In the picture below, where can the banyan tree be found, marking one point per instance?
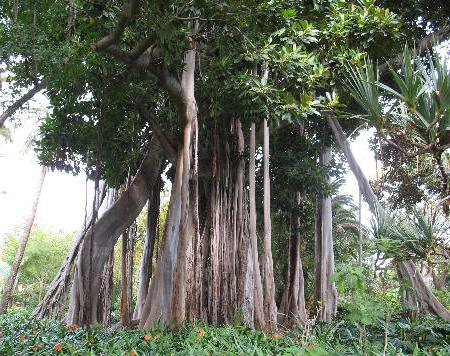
(233, 105)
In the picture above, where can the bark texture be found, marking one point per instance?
(325, 292)
(260, 322)
(146, 268)
(107, 230)
(293, 303)
(269, 283)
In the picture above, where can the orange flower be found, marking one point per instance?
(296, 341)
(132, 353)
(276, 336)
(311, 345)
(156, 337)
(200, 332)
(147, 337)
(22, 338)
(72, 327)
(58, 347)
(36, 347)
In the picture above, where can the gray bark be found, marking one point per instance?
(107, 230)
(269, 283)
(258, 296)
(328, 292)
(146, 267)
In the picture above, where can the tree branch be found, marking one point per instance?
(128, 12)
(166, 143)
(18, 103)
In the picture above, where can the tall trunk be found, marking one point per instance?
(269, 283)
(325, 290)
(425, 297)
(245, 275)
(126, 287)
(157, 307)
(301, 303)
(195, 264)
(165, 302)
(106, 291)
(360, 252)
(7, 290)
(146, 268)
(258, 296)
(185, 239)
(294, 298)
(107, 230)
(184, 242)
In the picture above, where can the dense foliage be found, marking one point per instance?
(28, 336)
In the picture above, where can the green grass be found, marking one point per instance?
(22, 335)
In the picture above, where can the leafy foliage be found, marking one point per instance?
(43, 249)
(28, 336)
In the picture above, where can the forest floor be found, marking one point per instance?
(22, 335)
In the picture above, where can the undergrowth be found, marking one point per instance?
(22, 335)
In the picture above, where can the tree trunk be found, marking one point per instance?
(269, 283)
(106, 291)
(424, 296)
(157, 307)
(317, 257)
(126, 286)
(7, 290)
(146, 268)
(51, 303)
(184, 242)
(246, 281)
(107, 230)
(165, 302)
(325, 291)
(417, 297)
(294, 295)
(258, 296)
(439, 279)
